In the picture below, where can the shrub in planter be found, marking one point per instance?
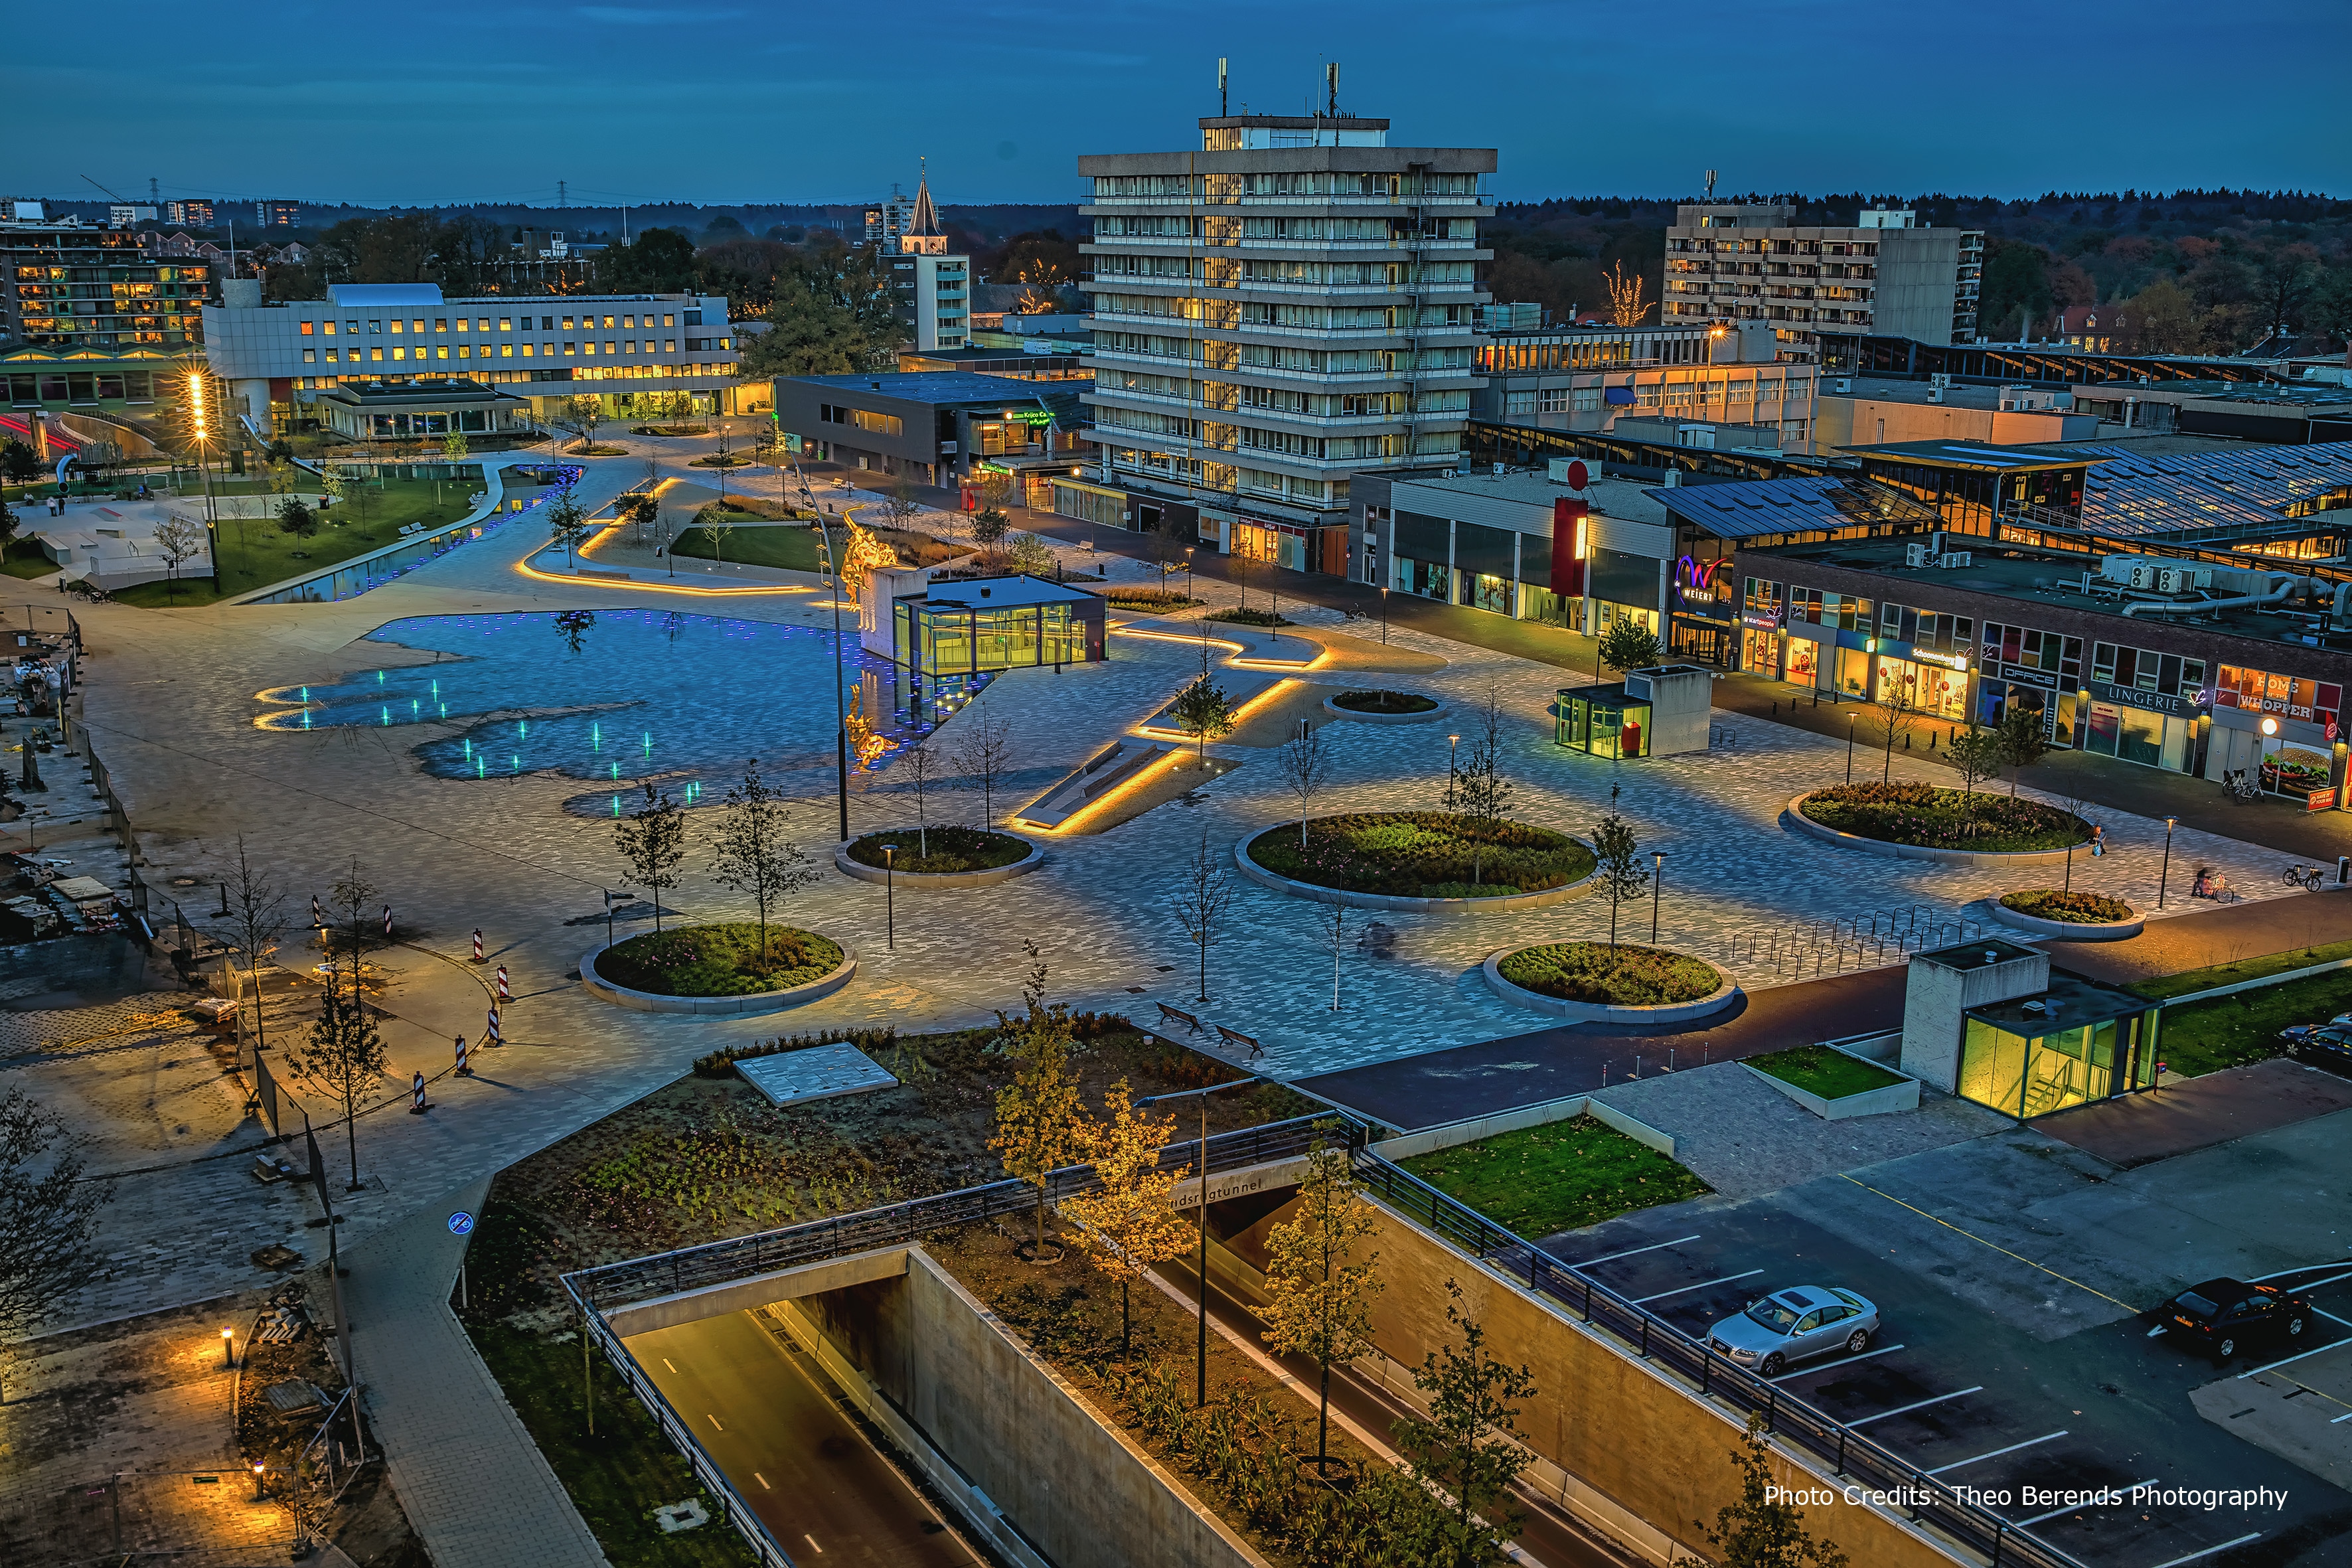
(1423, 855)
(1944, 818)
(1624, 976)
(1384, 702)
(951, 849)
(719, 960)
(2075, 909)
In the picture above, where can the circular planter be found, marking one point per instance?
(1704, 1006)
(719, 1007)
(1795, 817)
(1332, 707)
(2065, 930)
(1266, 878)
(981, 878)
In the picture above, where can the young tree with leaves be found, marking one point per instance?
(257, 919)
(1040, 1124)
(1204, 897)
(1132, 1214)
(1320, 1282)
(1305, 763)
(454, 447)
(1623, 878)
(1469, 1446)
(48, 1212)
(1760, 1531)
(989, 526)
(651, 841)
(1202, 711)
(582, 416)
(717, 524)
(2022, 743)
(986, 757)
(1628, 644)
(749, 851)
(1976, 752)
(567, 523)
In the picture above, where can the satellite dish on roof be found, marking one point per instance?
(1576, 475)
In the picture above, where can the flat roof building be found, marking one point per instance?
(1882, 274)
(934, 426)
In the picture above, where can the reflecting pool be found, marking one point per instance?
(617, 696)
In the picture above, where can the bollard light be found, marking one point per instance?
(228, 1350)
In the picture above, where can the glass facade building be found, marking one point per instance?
(1602, 721)
(2076, 1043)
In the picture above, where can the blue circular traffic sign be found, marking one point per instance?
(461, 1222)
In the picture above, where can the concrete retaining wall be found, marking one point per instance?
(1903, 1096)
(1795, 819)
(719, 1007)
(1452, 1134)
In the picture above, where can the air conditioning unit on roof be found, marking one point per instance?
(1914, 556)
(1954, 558)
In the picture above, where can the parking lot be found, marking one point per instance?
(2013, 1282)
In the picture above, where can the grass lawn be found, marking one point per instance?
(1423, 855)
(951, 849)
(1563, 1176)
(719, 960)
(254, 552)
(1817, 1070)
(792, 549)
(23, 558)
(617, 1477)
(1944, 818)
(2170, 985)
(2230, 1031)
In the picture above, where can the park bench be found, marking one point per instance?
(1170, 1014)
(1235, 1037)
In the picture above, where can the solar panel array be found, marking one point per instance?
(2250, 487)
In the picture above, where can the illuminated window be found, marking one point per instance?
(630, 347)
(465, 350)
(526, 351)
(628, 320)
(669, 320)
(608, 320)
(588, 347)
(328, 328)
(483, 325)
(401, 353)
(306, 329)
(567, 324)
(377, 355)
(506, 324)
(670, 345)
(352, 329)
(570, 349)
(440, 351)
(506, 350)
(440, 324)
(395, 327)
(374, 328)
(419, 324)
(608, 342)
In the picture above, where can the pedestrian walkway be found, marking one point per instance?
(473, 1484)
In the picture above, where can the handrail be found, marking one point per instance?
(1929, 1503)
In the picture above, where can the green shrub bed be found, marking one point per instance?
(1129, 597)
(1423, 854)
(951, 849)
(1937, 818)
(1625, 977)
(1249, 617)
(2074, 909)
(719, 960)
(1384, 702)
(1817, 1070)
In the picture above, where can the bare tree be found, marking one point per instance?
(918, 766)
(1204, 897)
(1893, 712)
(257, 919)
(178, 542)
(567, 523)
(986, 757)
(48, 1213)
(1305, 769)
(651, 841)
(345, 1056)
(749, 851)
(900, 502)
(718, 525)
(582, 415)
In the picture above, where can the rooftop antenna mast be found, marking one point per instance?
(1331, 82)
(1710, 184)
(562, 194)
(1221, 110)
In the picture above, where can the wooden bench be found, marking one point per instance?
(1171, 1016)
(1235, 1037)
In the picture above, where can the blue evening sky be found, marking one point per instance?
(737, 100)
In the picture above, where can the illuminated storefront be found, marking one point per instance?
(1933, 685)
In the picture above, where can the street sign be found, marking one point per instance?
(461, 1222)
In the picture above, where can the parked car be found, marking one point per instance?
(2294, 1034)
(2220, 1316)
(2330, 1043)
(1790, 1325)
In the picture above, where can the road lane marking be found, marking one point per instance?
(2316, 1350)
(1632, 1252)
(1920, 1404)
(762, 1480)
(712, 1420)
(1997, 1453)
(1685, 1289)
(2079, 1507)
(2194, 1556)
(1995, 1247)
(1847, 1360)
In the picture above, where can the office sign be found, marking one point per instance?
(1571, 525)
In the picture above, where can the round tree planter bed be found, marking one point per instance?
(985, 877)
(2066, 930)
(1795, 819)
(1726, 995)
(1430, 715)
(1400, 903)
(719, 1007)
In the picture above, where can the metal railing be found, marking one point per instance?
(1930, 1502)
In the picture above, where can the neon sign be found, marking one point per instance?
(1701, 581)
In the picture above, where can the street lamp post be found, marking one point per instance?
(1384, 614)
(1201, 1274)
(1452, 779)
(2165, 876)
(1657, 880)
(1849, 746)
(889, 892)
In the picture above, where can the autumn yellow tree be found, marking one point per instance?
(1041, 1123)
(1320, 1279)
(1626, 306)
(1131, 1217)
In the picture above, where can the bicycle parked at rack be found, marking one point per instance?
(2242, 785)
(2307, 878)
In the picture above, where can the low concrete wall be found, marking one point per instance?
(2065, 930)
(759, 1290)
(1797, 819)
(1281, 884)
(719, 1007)
(1903, 1096)
(934, 880)
(1727, 992)
(1452, 1134)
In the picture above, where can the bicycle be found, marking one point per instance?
(2242, 786)
(2307, 878)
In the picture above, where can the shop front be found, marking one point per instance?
(2152, 728)
(1805, 660)
(1933, 686)
(2031, 690)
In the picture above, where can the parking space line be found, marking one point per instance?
(1995, 1247)
(2316, 1350)
(2332, 1317)
(1844, 1360)
(1631, 1252)
(1921, 1405)
(1684, 1289)
(2264, 1279)
(2076, 1507)
(2198, 1556)
(1997, 1453)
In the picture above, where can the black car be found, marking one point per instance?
(2330, 1043)
(2221, 1315)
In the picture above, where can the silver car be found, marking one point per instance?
(1793, 1324)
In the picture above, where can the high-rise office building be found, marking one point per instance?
(1883, 274)
(1289, 305)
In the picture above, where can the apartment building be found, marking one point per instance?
(277, 356)
(1289, 305)
(70, 288)
(1884, 275)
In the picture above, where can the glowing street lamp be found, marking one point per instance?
(228, 1350)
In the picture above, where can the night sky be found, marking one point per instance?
(722, 103)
